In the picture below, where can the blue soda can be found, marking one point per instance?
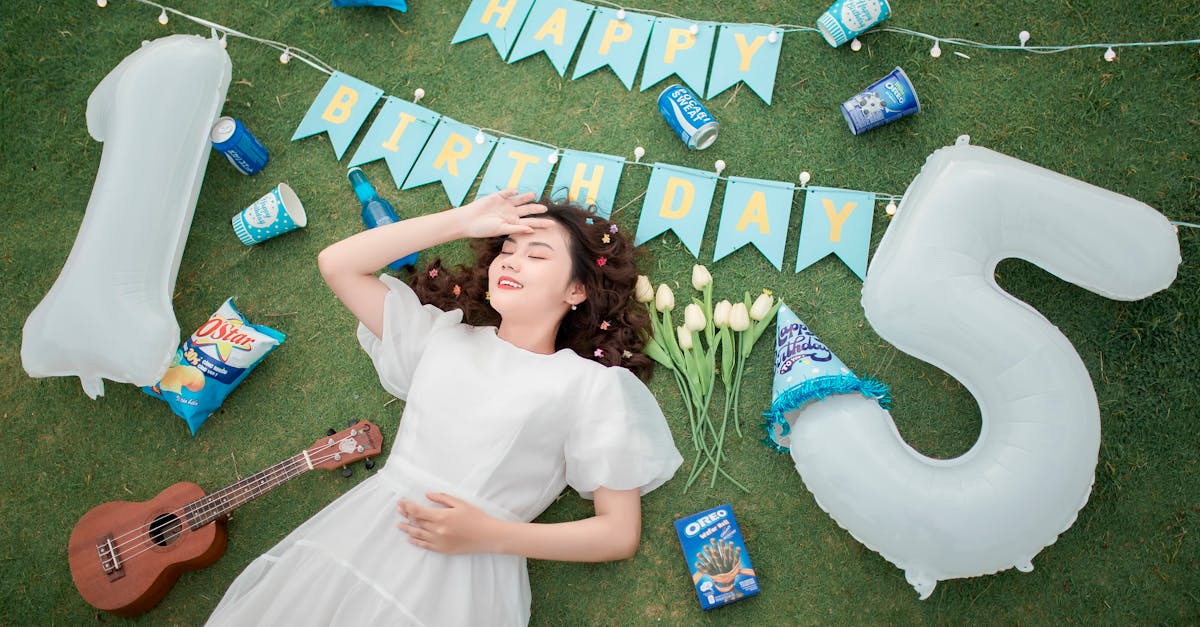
(687, 117)
(231, 138)
(716, 555)
(889, 98)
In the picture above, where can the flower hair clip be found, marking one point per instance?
(606, 239)
(612, 228)
(600, 261)
(433, 273)
(589, 220)
(605, 325)
(457, 291)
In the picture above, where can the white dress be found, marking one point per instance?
(498, 426)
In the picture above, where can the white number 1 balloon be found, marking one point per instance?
(930, 291)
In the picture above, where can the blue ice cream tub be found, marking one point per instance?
(847, 19)
(886, 100)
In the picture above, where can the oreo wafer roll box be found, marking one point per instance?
(716, 556)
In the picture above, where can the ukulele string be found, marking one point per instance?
(273, 472)
(147, 543)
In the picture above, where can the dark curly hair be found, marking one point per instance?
(609, 320)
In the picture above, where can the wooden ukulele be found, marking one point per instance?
(125, 556)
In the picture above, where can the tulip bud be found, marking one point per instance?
(685, 338)
(761, 306)
(643, 291)
(721, 314)
(693, 317)
(700, 277)
(664, 300)
(739, 317)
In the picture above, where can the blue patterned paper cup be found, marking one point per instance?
(806, 371)
(848, 19)
(276, 213)
(887, 99)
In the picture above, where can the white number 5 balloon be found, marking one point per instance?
(930, 291)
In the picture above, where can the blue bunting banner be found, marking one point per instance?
(517, 165)
(755, 211)
(617, 43)
(397, 136)
(421, 146)
(553, 27)
(340, 110)
(500, 20)
(588, 178)
(452, 157)
(745, 53)
(677, 199)
(836, 221)
(674, 49)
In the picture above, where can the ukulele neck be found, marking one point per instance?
(220, 504)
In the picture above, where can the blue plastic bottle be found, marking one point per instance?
(376, 211)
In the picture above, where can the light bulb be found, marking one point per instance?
(805, 177)
(719, 166)
(285, 57)
(772, 37)
(855, 44)
(891, 208)
(418, 94)
(553, 158)
(620, 14)
(101, 3)
(162, 17)
(1023, 36)
(694, 28)
(936, 50)
(1110, 55)
(479, 138)
(638, 153)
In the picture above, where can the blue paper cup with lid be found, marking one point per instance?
(848, 19)
(276, 213)
(887, 99)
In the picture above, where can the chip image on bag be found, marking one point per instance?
(213, 361)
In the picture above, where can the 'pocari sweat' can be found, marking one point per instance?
(231, 138)
(689, 119)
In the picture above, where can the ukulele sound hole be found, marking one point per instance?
(165, 529)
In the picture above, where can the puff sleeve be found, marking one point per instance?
(621, 439)
(407, 327)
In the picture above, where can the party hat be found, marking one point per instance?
(806, 370)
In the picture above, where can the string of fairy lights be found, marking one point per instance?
(288, 52)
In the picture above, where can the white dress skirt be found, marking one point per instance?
(493, 424)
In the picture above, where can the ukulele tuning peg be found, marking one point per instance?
(369, 464)
(346, 472)
(330, 431)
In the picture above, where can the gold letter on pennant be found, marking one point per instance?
(522, 160)
(616, 32)
(449, 155)
(339, 107)
(685, 202)
(837, 218)
(554, 26)
(592, 184)
(747, 50)
(494, 8)
(678, 39)
(392, 143)
(756, 212)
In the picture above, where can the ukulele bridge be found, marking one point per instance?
(110, 562)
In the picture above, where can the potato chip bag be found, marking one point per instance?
(213, 361)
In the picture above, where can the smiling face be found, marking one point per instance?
(531, 276)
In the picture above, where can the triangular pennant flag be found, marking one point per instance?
(755, 211)
(677, 199)
(615, 42)
(588, 179)
(836, 221)
(554, 27)
(746, 53)
(674, 49)
(500, 20)
(517, 165)
(397, 136)
(340, 109)
(453, 157)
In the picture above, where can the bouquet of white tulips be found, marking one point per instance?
(727, 331)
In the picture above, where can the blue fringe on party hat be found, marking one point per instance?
(806, 370)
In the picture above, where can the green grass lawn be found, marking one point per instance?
(1132, 126)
